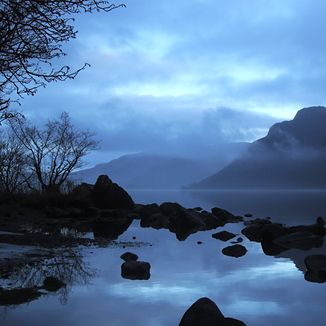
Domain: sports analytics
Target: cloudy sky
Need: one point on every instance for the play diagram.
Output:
(180, 74)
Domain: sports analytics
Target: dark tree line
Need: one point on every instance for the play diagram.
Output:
(31, 36)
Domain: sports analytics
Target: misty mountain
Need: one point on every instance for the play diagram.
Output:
(160, 171)
(291, 155)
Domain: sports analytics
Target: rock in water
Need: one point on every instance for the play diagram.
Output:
(234, 251)
(129, 256)
(204, 312)
(108, 195)
(135, 270)
(316, 268)
(224, 236)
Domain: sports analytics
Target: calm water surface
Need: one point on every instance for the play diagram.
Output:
(257, 289)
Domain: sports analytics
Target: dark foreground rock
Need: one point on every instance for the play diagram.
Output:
(107, 194)
(316, 268)
(136, 270)
(204, 312)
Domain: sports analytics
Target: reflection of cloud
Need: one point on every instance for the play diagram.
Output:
(184, 293)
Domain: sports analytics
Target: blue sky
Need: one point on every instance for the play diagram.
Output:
(185, 74)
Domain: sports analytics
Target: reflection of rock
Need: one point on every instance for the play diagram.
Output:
(52, 284)
(18, 296)
(300, 240)
(111, 224)
(223, 235)
(135, 270)
(204, 312)
(128, 256)
(316, 268)
(234, 251)
(107, 194)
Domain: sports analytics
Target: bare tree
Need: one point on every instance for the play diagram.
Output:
(54, 151)
(13, 164)
(31, 36)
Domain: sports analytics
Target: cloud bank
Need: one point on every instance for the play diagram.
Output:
(162, 71)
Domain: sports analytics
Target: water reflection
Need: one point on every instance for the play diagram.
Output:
(54, 273)
(255, 288)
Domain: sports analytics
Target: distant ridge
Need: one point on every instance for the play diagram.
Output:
(292, 155)
(160, 171)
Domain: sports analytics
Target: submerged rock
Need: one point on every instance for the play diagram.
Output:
(204, 312)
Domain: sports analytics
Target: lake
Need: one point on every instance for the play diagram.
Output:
(257, 289)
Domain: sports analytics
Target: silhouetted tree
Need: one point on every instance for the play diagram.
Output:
(31, 35)
(54, 151)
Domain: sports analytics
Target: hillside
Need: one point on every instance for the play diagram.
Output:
(292, 155)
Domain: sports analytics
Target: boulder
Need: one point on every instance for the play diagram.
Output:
(135, 270)
(223, 236)
(204, 312)
(225, 216)
(147, 210)
(168, 208)
(234, 251)
(211, 221)
(316, 268)
(108, 195)
(255, 229)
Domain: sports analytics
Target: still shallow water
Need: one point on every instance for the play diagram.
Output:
(255, 288)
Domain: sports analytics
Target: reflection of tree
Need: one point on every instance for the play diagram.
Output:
(65, 265)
